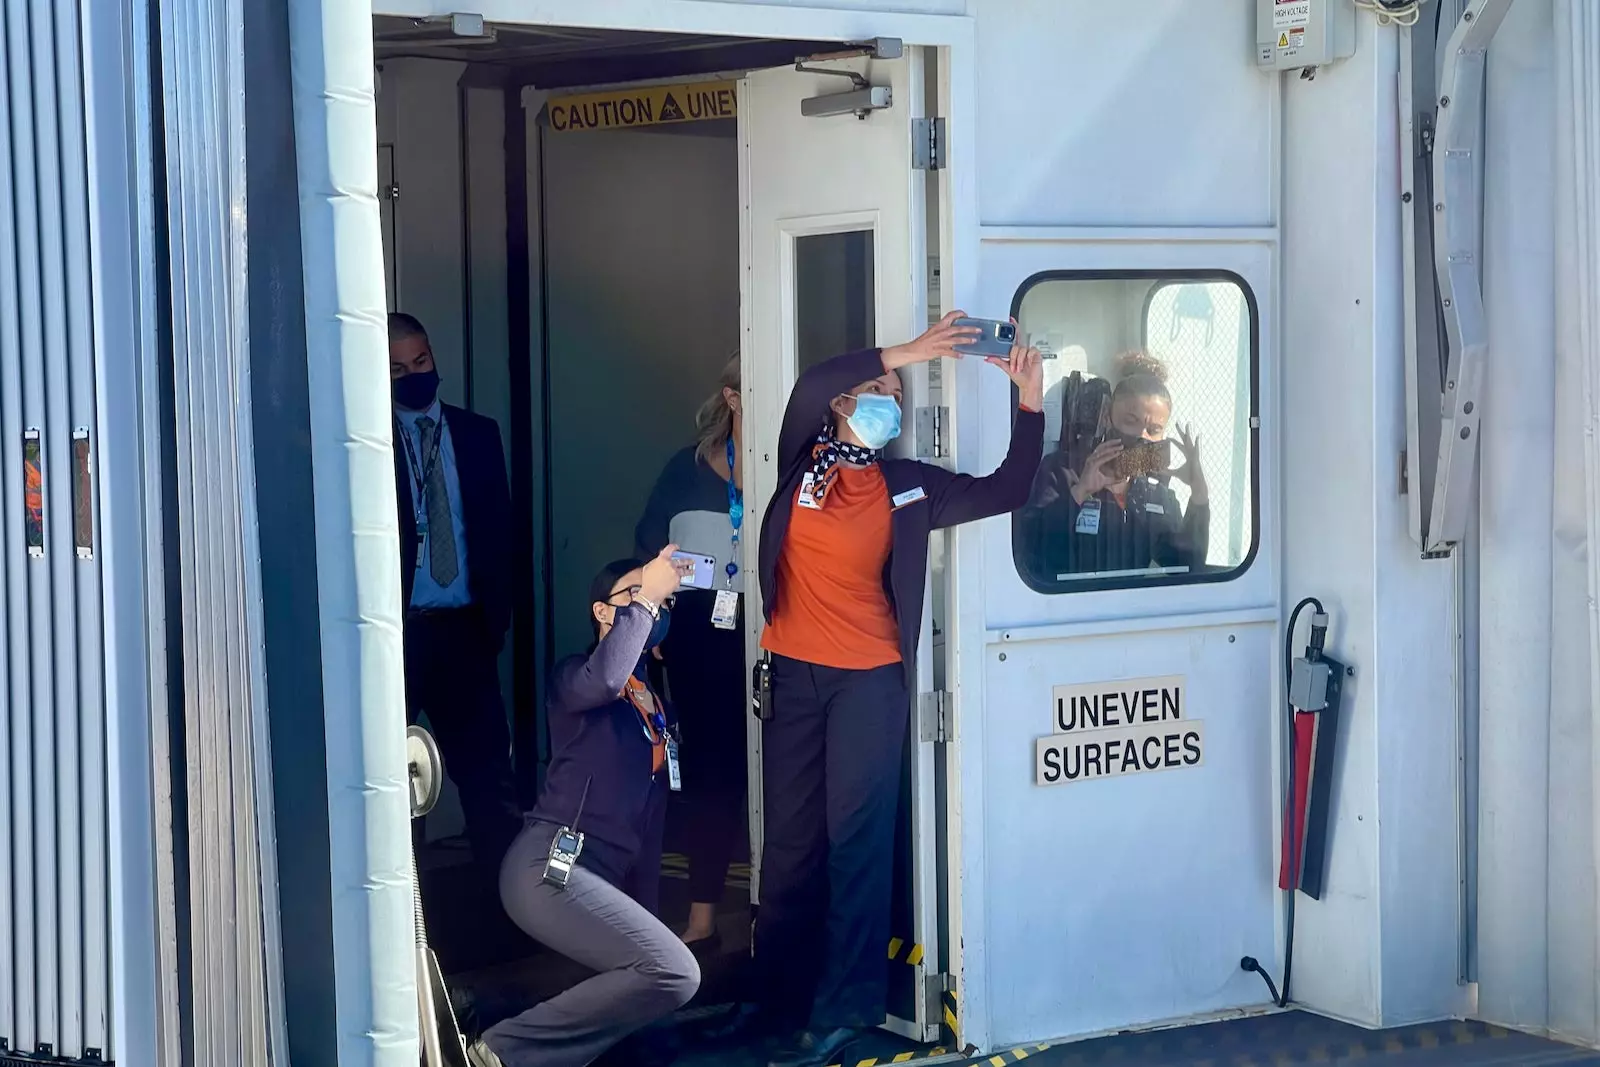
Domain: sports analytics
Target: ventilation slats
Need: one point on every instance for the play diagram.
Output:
(54, 984)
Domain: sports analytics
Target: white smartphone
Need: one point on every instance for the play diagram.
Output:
(704, 574)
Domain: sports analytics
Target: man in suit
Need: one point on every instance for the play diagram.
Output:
(455, 517)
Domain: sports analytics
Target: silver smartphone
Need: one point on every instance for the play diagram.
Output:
(996, 338)
(704, 575)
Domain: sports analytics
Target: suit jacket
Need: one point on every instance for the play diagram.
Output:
(485, 515)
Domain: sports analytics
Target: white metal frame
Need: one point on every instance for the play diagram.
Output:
(762, 411)
(955, 37)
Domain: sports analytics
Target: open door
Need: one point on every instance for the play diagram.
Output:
(834, 248)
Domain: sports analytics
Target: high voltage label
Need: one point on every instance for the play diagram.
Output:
(654, 105)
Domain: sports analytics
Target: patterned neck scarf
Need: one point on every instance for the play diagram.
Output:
(826, 456)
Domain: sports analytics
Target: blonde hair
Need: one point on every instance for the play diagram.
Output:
(713, 423)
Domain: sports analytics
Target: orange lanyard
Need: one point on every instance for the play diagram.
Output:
(652, 719)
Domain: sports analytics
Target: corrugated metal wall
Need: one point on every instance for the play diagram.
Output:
(232, 938)
(54, 924)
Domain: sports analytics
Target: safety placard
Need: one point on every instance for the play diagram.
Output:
(1111, 729)
(653, 105)
(1287, 14)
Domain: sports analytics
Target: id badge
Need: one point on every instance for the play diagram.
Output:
(422, 546)
(808, 492)
(674, 776)
(725, 612)
(1089, 518)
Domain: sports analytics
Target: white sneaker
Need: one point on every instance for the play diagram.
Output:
(481, 1055)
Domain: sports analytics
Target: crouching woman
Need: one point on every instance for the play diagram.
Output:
(615, 758)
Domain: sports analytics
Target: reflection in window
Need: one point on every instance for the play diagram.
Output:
(834, 295)
(1149, 466)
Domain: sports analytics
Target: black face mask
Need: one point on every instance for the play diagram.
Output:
(416, 391)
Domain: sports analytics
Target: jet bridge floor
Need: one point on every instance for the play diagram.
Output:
(517, 973)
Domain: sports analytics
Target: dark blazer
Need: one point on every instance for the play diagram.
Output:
(948, 499)
(1151, 528)
(485, 515)
(601, 760)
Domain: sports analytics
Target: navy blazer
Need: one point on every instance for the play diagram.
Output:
(945, 499)
(485, 516)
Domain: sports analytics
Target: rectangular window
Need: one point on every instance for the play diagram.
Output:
(834, 297)
(1150, 464)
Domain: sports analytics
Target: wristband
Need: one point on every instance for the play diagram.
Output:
(648, 605)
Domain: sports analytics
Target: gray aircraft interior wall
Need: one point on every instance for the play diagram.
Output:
(441, 153)
(643, 259)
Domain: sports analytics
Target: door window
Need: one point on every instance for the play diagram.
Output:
(1149, 473)
(834, 295)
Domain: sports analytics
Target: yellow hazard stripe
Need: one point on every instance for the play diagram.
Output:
(904, 951)
(901, 1057)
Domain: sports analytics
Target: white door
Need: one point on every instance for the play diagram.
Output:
(834, 250)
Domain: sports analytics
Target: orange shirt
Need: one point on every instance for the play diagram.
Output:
(832, 608)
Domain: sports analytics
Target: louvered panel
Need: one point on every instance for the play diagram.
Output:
(202, 84)
(54, 987)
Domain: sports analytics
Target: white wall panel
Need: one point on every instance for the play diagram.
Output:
(1097, 113)
(1125, 901)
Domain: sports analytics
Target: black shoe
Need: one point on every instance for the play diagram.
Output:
(706, 948)
(745, 1023)
(816, 1050)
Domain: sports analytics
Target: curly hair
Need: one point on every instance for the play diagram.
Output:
(1139, 374)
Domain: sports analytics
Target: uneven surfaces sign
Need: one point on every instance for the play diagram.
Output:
(1110, 729)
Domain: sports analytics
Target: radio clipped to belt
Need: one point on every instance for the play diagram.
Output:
(566, 847)
(761, 688)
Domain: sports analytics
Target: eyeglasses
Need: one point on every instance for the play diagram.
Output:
(632, 591)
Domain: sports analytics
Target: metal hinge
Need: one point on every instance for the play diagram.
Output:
(934, 719)
(1405, 474)
(934, 987)
(931, 443)
(927, 144)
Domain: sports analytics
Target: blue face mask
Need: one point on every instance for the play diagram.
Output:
(876, 419)
(658, 629)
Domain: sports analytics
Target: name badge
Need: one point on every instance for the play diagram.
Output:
(808, 492)
(1089, 518)
(422, 547)
(674, 776)
(725, 612)
(910, 496)
(1155, 509)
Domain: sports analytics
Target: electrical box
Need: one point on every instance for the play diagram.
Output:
(1295, 34)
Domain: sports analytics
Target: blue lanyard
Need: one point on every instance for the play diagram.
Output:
(735, 514)
(654, 722)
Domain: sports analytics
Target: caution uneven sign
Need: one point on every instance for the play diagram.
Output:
(655, 105)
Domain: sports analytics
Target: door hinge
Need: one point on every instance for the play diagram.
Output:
(927, 144)
(1405, 473)
(934, 987)
(935, 721)
(931, 440)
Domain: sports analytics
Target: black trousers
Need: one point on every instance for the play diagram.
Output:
(451, 674)
(831, 789)
(706, 678)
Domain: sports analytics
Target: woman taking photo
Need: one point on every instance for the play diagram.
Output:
(698, 504)
(843, 563)
(603, 799)
(1108, 506)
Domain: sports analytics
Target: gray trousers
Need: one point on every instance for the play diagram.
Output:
(644, 972)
